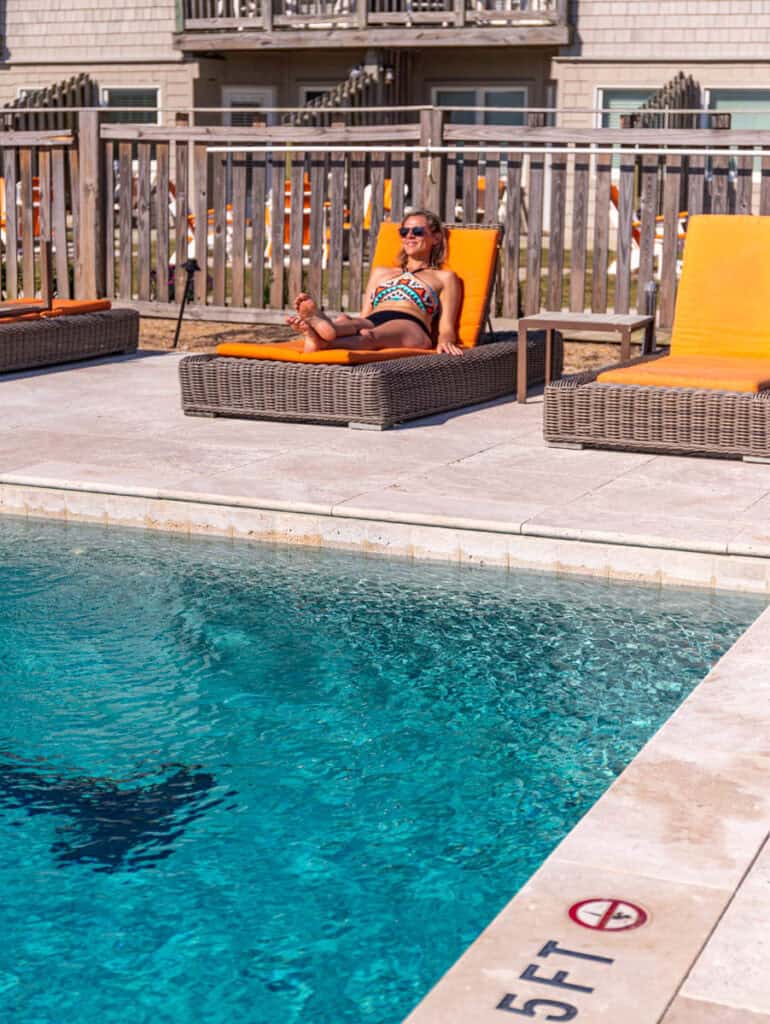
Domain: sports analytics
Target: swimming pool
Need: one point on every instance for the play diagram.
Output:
(256, 784)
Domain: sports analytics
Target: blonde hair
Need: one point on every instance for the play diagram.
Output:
(438, 252)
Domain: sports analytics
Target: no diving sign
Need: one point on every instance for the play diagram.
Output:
(608, 915)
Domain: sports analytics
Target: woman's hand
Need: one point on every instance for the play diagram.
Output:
(449, 348)
(451, 294)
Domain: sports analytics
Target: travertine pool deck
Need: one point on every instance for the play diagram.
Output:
(682, 832)
(107, 441)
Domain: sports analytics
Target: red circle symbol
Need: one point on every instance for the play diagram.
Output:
(605, 914)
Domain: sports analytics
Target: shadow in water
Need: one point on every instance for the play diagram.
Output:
(114, 825)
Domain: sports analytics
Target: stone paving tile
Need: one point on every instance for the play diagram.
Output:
(410, 503)
(733, 968)
(704, 472)
(695, 1011)
(592, 518)
(462, 490)
(601, 467)
(317, 476)
(636, 492)
(758, 514)
(74, 457)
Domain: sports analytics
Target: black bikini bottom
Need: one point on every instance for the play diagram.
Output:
(384, 316)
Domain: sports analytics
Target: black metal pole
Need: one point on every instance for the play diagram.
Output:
(190, 268)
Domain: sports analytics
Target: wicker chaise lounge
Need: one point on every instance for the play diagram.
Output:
(70, 331)
(711, 394)
(374, 394)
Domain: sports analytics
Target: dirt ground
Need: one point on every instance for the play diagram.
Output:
(199, 336)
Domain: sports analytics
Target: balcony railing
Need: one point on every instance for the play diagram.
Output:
(267, 15)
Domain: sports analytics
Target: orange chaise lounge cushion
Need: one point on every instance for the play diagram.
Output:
(721, 335)
(471, 253)
(292, 352)
(60, 307)
(71, 307)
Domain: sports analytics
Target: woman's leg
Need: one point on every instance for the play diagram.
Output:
(324, 327)
(346, 325)
(394, 334)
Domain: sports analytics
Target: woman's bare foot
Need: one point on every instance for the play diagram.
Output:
(313, 340)
(307, 309)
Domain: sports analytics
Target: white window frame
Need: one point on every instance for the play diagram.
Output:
(307, 87)
(756, 173)
(249, 95)
(731, 87)
(105, 90)
(609, 87)
(479, 88)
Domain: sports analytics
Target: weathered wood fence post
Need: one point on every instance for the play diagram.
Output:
(432, 166)
(89, 263)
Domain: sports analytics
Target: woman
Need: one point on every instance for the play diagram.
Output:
(401, 307)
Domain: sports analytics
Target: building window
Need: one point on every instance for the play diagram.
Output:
(614, 102)
(485, 97)
(307, 93)
(144, 104)
(243, 103)
(750, 108)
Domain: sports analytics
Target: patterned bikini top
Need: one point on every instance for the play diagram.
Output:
(407, 287)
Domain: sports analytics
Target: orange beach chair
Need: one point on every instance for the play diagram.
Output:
(711, 392)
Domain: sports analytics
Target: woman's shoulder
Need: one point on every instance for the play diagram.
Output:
(446, 276)
(381, 271)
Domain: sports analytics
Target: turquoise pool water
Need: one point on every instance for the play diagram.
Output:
(250, 784)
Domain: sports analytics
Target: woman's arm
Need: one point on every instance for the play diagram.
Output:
(377, 274)
(450, 309)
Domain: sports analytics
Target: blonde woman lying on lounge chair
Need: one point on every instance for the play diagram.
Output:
(401, 307)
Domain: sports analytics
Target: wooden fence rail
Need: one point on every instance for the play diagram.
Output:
(589, 217)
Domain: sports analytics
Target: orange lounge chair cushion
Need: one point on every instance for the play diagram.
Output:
(471, 253)
(714, 373)
(292, 352)
(722, 306)
(70, 307)
(61, 307)
(21, 317)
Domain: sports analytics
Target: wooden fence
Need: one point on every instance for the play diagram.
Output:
(39, 200)
(589, 216)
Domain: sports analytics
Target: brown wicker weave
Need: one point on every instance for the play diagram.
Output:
(372, 394)
(656, 419)
(31, 343)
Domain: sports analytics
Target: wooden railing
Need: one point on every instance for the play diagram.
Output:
(590, 217)
(267, 15)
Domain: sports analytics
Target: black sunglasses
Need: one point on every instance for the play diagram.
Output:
(417, 232)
